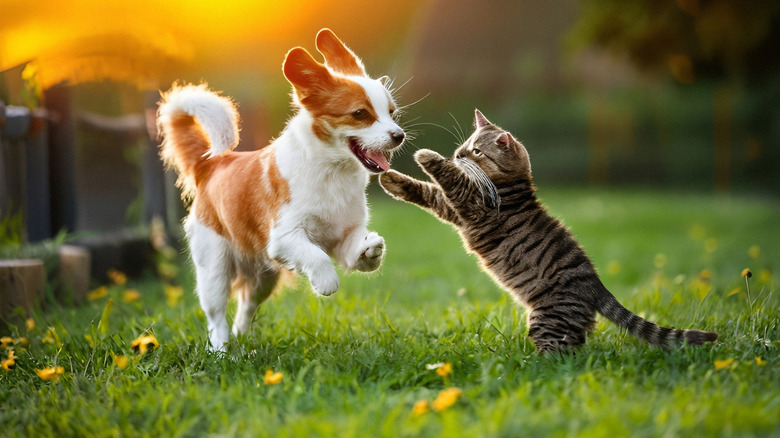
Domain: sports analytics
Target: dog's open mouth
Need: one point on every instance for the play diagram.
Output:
(374, 161)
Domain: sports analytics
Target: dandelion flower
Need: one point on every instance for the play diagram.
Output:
(754, 252)
(97, 293)
(9, 362)
(51, 373)
(272, 378)
(760, 362)
(174, 294)
(131, 295)
(720, 364)
(22, 341)
(746, 273)
(660, 260)
(5, 341)
(614, 267)
(30, 324)
(444, 370)
(705, 274)
(421, 407)
(117, 277)
(144, 343)
(446, 398)
(121, 361)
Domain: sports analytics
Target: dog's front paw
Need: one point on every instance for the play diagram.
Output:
(325, 281)
(425, 156)
(372, 253)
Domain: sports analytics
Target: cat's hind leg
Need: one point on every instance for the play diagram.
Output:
(560, 328)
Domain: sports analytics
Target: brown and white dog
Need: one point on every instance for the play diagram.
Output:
(293, 204)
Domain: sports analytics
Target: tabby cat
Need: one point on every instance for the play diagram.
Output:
(487, 193)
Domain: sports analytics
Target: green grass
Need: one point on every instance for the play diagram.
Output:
(355, 364)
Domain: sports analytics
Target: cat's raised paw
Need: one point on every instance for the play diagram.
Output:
(393, 182)
(425, 156)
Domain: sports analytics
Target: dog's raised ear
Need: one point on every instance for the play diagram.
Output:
(304, 73)
(338, 56)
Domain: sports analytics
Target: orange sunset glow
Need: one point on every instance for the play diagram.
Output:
(150, 42)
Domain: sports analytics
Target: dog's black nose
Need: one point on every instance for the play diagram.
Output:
(397, 136)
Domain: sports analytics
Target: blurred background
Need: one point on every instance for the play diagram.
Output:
(667, 94)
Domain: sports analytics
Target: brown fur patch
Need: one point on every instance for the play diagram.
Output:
(336, 105)
(239, 195)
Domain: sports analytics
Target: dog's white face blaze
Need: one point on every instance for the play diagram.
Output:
(377, 141)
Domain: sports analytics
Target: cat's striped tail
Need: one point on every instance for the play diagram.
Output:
(647, 331)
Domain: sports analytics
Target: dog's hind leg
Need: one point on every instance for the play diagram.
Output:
(250, 295)
(213, 270)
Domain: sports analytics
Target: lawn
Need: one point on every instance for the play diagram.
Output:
(357, 363)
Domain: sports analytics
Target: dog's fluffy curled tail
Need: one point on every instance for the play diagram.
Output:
(195, 123)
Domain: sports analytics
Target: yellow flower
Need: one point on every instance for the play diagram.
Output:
(23, 341)
(131, 295)
(446, 398)
(117, 277)
(51, 337)
(444, 370)
(5, 341)
(659, 261)
(720, 364)
(705, 274)
(697, 232)
(173, 293)
(421, 407)
(10, 362)
(614, 267)
(760, 362)
(272, 378)
(30, 324)
(52, 373)
(746, 273)
(97, 293)
(711, 244)
(121, 361)
(144, 343)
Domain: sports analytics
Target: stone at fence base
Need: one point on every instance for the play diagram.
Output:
(21, 285)
(74, 274)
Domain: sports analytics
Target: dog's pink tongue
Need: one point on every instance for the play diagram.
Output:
(378, 158)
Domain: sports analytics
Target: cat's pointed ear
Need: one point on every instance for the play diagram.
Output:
(479, 120)
(504, 141)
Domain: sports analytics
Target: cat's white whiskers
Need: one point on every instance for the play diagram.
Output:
(487, 190)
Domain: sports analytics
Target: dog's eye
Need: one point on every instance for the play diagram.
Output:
(476, 152)
(360, 114)
(392, 111)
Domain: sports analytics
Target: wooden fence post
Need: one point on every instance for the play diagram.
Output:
(21, 285)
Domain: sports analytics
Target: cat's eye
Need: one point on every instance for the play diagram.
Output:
(476, 152)
(360, 114)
